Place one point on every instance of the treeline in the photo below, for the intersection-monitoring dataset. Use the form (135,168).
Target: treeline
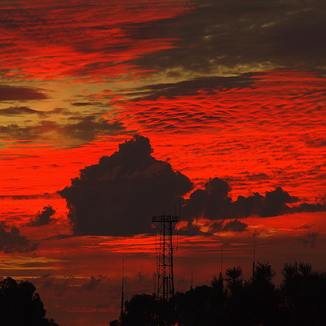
(20,305)
(300,300)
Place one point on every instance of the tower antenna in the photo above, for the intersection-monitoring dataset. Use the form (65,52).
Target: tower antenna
(165,277)
(221,272)
(122,287)
(254,261)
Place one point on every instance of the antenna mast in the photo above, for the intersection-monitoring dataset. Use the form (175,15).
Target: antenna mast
(165,278)
(254,261)
(122,287)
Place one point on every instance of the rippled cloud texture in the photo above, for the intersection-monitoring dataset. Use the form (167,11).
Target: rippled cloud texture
(114,111)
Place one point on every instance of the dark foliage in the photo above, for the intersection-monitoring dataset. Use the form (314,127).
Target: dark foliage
(229,301)
(21,306)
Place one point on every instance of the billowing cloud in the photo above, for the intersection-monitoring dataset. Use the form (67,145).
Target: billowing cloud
(11,240)
(214,203)
(120,194)
(43,218)
(15,93)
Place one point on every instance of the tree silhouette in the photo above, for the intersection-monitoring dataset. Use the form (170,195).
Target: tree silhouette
(234,279)
(262,296)
(300,300)
(303,295)
(144,310)
(21,306)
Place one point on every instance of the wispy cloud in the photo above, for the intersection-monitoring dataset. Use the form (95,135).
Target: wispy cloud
(83,40)
(21,93)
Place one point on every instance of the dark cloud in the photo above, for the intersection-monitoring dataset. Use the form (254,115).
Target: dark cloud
(43,218)
(11,240)
(309,239)
(120,194)
(275,202)
(214,203)
(303,227)
(24,110)
(14,93)
(87,128)
(82,104)
(92,284)
(82,129)
(191,87)
(19,110)
(215,226)
(192,229)
(27,197)
(236,34)
(235,226)
(316,143)
(305,207)
(59,237)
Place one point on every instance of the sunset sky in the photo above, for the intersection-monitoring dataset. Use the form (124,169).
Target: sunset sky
(112,111)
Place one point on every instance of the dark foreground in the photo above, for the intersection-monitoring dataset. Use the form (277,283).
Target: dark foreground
(300,300)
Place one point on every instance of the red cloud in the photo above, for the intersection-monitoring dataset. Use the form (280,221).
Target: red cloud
(54,39)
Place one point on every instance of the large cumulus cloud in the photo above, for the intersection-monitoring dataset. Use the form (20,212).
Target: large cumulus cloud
(120,194)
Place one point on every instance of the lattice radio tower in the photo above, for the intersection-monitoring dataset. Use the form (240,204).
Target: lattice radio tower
(165,248)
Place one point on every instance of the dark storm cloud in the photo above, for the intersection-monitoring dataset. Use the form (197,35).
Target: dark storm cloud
(11,240)
(120,194)
(237,33)
(43,218)
(214,203)
(14,93)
